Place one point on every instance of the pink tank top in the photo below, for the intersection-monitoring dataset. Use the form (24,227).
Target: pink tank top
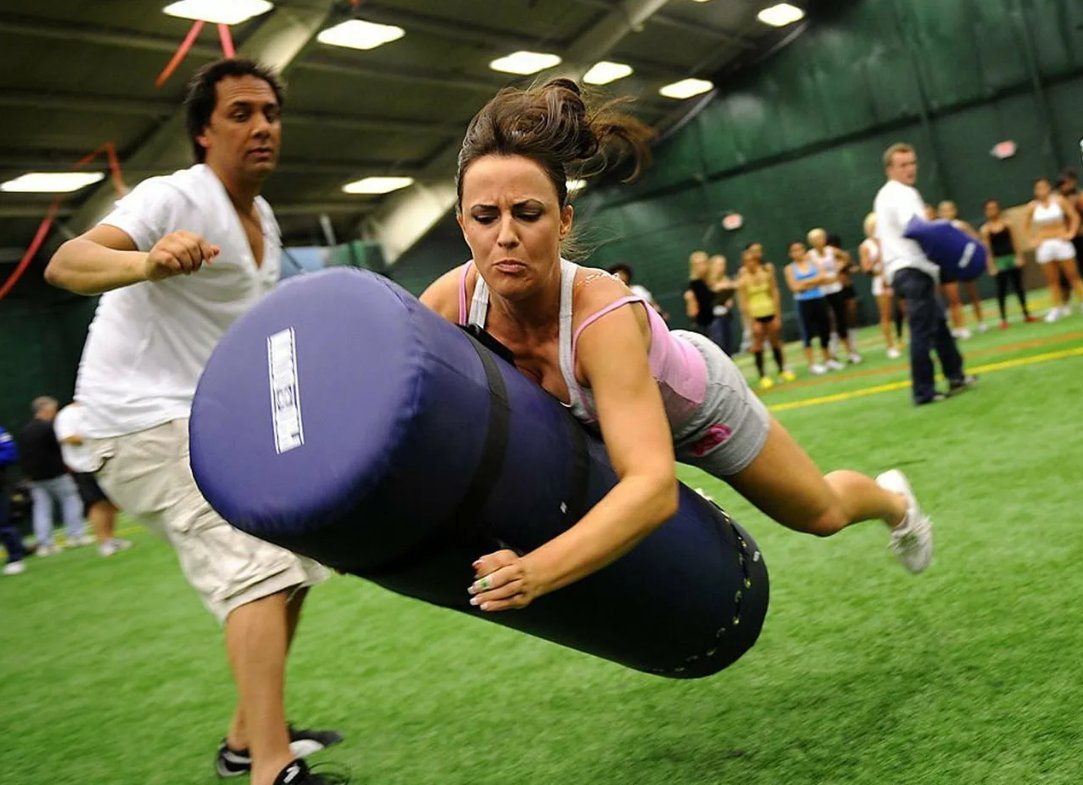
(676,365)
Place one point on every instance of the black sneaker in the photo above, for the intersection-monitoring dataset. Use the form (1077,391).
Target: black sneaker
(303,742)
(298,773)
(934,398)
(957,386)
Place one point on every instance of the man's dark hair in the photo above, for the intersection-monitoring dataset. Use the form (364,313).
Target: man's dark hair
(203,93)
(622,268)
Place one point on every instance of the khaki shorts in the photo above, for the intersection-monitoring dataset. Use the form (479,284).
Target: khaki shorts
(147,475)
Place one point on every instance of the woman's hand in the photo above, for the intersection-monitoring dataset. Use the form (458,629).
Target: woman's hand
(504,580)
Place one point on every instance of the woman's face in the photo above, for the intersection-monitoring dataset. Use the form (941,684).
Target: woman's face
(699,266)
(718,266)
(512,222)
(992,211)
(1042,189)
(818,240)
(797,251)
(947,211)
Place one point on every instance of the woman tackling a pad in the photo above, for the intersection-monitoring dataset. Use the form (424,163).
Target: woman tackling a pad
(654,395)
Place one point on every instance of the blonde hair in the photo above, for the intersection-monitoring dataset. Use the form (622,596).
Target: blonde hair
(869,224)
(817,232)
(714,277)
(694,257)
(898,147)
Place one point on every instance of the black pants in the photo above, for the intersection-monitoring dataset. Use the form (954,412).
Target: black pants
(928,331)
(813,314)
(1013,276)
(9,535)
(837,303)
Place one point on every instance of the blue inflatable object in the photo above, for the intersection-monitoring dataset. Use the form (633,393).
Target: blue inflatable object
(957,253)
(343,420)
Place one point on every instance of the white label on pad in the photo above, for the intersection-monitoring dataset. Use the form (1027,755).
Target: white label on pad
(285,393)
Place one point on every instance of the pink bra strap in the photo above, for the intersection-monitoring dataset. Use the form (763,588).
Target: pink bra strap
(598,315)
(463,313)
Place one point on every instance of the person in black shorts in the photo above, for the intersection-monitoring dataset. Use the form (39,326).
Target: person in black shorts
(1005,260)
(698,297)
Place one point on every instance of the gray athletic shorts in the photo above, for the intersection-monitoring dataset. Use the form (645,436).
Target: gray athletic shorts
(730,428)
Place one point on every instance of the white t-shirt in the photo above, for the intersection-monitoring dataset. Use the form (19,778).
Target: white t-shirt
(895,205)
(67,423)
(149,342)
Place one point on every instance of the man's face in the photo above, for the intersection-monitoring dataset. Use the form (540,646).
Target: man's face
(243,135)
(904,168)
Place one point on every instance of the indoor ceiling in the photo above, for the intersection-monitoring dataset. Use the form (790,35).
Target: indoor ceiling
(77,74)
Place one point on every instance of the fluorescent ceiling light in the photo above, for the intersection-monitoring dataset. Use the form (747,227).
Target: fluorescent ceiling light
(780,15)
(51,182)
(222,12)
(605,72)
(524,63)
(377,185)
(686,88)
(358,34)
(575,185)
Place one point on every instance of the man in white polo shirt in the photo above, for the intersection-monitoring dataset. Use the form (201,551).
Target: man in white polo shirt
(179,259)
(914,277)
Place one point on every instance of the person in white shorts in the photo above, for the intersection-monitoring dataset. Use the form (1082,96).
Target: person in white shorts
(872,264)
(100,512)
(1051,222)
(179,259)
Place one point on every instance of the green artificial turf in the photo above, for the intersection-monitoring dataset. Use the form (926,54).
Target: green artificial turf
(111,672)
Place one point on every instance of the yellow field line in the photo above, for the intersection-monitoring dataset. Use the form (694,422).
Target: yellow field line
(902,385)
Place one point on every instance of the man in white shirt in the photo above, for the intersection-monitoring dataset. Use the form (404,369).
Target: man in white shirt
(914,277)
(179,259)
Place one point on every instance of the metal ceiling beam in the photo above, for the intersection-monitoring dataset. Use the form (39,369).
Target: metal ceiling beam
(402,220)
(77,102)
(37,211)
(341,168)
(455,31)
(501,40)
(668,20)
(315,208)
(82,102)
(277,42)
(67,32)
(408,75)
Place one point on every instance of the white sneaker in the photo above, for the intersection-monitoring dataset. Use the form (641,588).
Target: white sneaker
(115,545)
(81,541)
(48,549)
(893,353)
(817,370)
(983,327)
(911,540)
(855,358)
(833,365)
(14,568)
(1052,316)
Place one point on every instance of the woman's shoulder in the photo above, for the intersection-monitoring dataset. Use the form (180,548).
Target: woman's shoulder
(442,295)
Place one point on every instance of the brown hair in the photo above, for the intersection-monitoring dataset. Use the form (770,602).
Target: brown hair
(552,125)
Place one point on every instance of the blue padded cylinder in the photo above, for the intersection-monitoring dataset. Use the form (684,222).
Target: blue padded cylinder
(957,253)
(345,421)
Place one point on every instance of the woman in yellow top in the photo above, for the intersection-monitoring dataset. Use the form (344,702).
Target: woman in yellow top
(761,310)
